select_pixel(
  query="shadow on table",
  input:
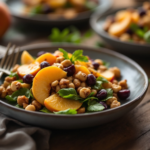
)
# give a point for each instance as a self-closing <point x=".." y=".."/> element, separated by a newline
<point x="107" y="137"/>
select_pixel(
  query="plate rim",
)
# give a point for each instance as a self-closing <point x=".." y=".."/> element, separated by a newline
<point x="104" y="4"/>
<point x="96" y="17"/>
<point x="103" y="50"/>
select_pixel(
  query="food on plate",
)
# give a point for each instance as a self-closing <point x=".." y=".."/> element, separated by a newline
<point x="130" y="25"/>
<point x="5" y="18"/>
<point x="64" y="83"/>
<point x="58" y="8"/>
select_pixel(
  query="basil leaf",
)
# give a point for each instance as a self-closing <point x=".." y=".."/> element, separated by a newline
<point x="45" y="110"/>
<point x="109" y="94"/>
<point x="98" y="85"/>
<point x="68" y="111"/>
<point x="95" y="106"/>
<point x="65" y="54"/>
<point x="102" y="79"/>
<point x="13" y="98"/>
<point x="14" y="74"/>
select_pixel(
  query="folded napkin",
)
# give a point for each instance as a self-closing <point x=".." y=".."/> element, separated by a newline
<point x="15" y="135"/>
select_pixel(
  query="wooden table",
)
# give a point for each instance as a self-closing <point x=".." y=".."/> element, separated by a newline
<point x="131" y="132"/>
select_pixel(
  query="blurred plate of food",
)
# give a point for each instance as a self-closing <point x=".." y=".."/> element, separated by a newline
<point x="56" y="12"/>
<point x="127" y="30"/>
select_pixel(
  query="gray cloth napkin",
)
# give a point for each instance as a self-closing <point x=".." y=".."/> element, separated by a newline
<point x="15" y="135"/>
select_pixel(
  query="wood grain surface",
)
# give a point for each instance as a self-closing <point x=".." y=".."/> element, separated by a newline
<point x="130" y="132"/>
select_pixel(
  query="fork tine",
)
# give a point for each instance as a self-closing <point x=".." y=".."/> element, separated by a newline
<point x="16" y="57"/>
<point x="11" y="58"/>
<point x="7" y="63"/>
<point x="5" y="56"/>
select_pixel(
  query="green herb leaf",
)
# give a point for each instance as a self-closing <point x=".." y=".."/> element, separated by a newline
<point x="65" y="54"/>
<point x="78" y="56"/>
<point x="105" y="63"/>
<point x="100" y="44"/>
<point x="135" y="28"/>
<point x="90" y="97"/>
<point x="77" y="53"/>
<point x="82" y="58"/>
<point x="72" y="96"/>
<point x="14" y="74"/>
<point x="45" y="110"/>
<point x="68" y="93"/>
<point x="90" y="5"/>
<point x="19" y="106"/>
<point x="55" y="35"/>
<point x="109" y="94"/>
<point x="140" y="33"/>
<point x="68" y="111"/>
<point x="102" y="79"/>
<point x="95" y="106"/>
<point x="88" y="34"/>
<point x="64" y="33"/>
<point x="21" y="81"/>
<point x="36" y="10"/>
<point x="147" y="37"/>
<point x="98" y="85"/>
<point x="69" y="35"/>
<point x="31" y="94"/>
<point x="71" y="93"/>
<point x="13" y="98"/>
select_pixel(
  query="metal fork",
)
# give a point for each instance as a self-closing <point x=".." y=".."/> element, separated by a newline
<point x="9" y="60"/>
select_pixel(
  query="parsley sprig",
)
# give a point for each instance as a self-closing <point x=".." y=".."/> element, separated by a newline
<point x="76" y="56"/>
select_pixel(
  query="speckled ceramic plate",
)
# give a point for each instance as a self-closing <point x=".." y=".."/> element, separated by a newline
<point x="135" y="75"/>
<point x="16" y="7"/>
<point x="97" y="22"/>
